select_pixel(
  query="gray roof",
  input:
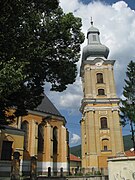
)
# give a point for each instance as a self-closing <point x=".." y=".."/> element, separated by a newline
<point x="92" y="29"/>
<point x="47" y="106"/>
<point x="94" y="48"/>
<point x="98" y="50"/>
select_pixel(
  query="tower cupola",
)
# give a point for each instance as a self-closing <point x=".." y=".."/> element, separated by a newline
<point x="94" y="47"/>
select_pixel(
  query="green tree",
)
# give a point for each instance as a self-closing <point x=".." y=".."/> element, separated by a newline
<point x="38" y="43"/>
<point x="128" y="103"/>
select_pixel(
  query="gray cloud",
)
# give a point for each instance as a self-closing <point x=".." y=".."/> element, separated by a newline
<point x="116" y="24"/>
<point x="117" y="31"/>
<point x="75" y="139"/>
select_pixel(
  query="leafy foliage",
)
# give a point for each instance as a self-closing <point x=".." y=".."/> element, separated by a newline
<point x="38" y="43"/>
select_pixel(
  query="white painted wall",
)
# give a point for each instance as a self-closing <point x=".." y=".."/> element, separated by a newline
<point x="43" y="166"/>
<point x="122" y="168"/>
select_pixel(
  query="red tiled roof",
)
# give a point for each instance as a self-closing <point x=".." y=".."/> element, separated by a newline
<point x="74" y="158"/>
<point x="130" y="153"/>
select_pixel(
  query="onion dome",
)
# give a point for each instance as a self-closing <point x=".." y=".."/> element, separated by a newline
<point x="94" y="48"/>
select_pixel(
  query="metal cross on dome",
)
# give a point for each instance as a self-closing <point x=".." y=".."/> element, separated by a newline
<point x="91" y="21"/>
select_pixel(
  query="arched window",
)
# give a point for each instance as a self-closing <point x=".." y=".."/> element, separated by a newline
<point x="101" y="92"/>
<point x="105" y="144"/>
<point x="103" y="122"/>
<point x="55" y="148"/>
<point x="55" y="140"/>
<point x="99" y="78"/>
<point x="25" y="128"/>
<point x="40" y="138"/>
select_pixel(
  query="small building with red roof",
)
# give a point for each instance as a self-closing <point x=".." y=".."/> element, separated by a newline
<point x="75" y="164"/>
<point x="130" y="152"/>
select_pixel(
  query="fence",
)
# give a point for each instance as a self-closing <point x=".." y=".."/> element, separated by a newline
<point x="5" y="168"/>
<point x="89" y="171"/>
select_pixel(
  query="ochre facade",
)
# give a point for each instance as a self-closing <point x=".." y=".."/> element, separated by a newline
<point x="100" y="126"/>
<point x="41" y="134"/>
<point x="53" y="150"/>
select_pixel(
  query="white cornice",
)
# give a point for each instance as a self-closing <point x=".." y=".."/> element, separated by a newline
<point x="86" y="109"/>
<point x="98" y="101"/>
<point x="90" y="101"/>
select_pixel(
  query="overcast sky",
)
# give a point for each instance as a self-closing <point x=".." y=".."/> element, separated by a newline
<point x="116" y="23"/>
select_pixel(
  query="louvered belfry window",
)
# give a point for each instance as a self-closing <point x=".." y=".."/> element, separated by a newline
<point x="99" y="78"/>
<point x="103" y="122"/>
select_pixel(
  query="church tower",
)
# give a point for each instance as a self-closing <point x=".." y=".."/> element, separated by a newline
<point x="100" y="127"/>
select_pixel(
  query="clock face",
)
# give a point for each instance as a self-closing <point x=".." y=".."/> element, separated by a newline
<point x="99" y="63"/>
